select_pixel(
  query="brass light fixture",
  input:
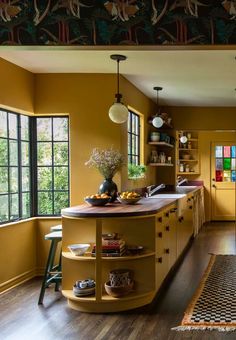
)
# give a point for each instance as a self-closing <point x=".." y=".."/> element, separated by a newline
<point x="157" y="120"/>
<point x="118" y="112"/>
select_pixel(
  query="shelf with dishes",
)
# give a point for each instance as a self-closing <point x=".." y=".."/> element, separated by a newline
<point x="124" y="250"/>
<point x="161" y="164"/>
<point x="187" y="153"/>
<point x="168" y="145"/>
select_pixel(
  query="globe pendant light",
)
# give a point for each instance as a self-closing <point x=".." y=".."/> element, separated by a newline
<point x="118" y="112"/>
<point x="157" y="120"/>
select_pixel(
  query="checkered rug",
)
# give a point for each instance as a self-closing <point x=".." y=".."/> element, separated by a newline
<point x="213" y="307"/>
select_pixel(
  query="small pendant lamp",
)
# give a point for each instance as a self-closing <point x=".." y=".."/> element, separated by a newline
<point x="157" y="120"/>
<point x="118" y="112"/>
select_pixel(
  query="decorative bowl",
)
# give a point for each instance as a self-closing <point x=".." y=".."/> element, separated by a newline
<point x="129" y="200"/>
<point x="119" y="291"/>
<point x="97" y="201"/>
<point x="186" y="156"/>
<point x="79" y="248"/>
<point x="83" y="291"/>
<point x="134" y="250"/>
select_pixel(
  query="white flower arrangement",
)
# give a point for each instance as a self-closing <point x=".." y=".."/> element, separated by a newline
<point x="107" y="161"/>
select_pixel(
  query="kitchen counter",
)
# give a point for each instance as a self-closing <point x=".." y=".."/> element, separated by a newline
<point x="146" y="206"/>
<point x="152" y="223"/>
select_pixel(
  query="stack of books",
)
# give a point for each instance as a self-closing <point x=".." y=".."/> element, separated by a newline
<point x="111" y="248"/>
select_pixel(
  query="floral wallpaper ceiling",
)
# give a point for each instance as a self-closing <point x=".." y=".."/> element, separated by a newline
<point x="118" y="22"/>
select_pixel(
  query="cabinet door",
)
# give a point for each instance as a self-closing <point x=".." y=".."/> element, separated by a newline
<point x="172" y="236"/>
<point x="161" y="256"/>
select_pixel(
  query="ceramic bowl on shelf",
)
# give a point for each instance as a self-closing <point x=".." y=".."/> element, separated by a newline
<point x="96" y="201"/>
<point x="119" y="291"/>
<point x="134" y="249"/>
<point x="83" y="291"/>
<point x="78" y="249"/>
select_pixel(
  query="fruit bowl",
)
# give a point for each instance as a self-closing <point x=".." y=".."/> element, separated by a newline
<point x="128" y="197"/>
<point x="97" y="201"/>
<point x="129" y="200"/>
<point x="118" y="291"/>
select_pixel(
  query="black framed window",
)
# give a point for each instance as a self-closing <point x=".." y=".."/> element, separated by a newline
<point x="52" y="136"/>
<point x="14" y="167"/>
<point x="34" y="166"/>
<point x="133" y="138"/>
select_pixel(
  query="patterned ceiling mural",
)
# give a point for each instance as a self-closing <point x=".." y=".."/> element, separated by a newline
<point x="118" y="22"/>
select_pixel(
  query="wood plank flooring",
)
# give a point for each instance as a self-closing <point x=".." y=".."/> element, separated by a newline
<point x="22" y="318"/>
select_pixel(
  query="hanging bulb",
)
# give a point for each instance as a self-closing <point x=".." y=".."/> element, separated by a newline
<point x="157" y="120"/>
<point x="118" y="112"/>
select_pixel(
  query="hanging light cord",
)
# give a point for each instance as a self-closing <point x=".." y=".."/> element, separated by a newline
<point x="118" y="95"/>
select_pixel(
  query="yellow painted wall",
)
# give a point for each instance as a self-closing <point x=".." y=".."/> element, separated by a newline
<point x="203" y="118"/>
<point x="87" y="98"/>
<point x="17" y="252"/>
<point x="16" y="88"/>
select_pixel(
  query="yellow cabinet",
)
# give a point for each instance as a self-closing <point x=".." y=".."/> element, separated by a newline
<point x="166" y="247"/>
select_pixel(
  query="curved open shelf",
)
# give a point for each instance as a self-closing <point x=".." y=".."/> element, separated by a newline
<point x="70" y="295"/>
<point x="85" y="257"/>
<point x="129" y="257"/>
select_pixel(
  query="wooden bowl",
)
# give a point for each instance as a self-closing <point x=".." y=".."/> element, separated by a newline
<point x="119" y="291"/>
<point x="129" y="200"/>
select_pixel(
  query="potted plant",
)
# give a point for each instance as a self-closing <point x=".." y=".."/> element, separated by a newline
<point x="107" y="162"/>
<point x="136" y="171"/>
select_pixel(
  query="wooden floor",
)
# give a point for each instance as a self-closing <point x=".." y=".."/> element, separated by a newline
<point x="22" y="318"/>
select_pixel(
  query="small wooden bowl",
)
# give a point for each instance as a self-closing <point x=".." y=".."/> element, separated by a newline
<point x="97" y="201"/>
<point x="118" y="291"/>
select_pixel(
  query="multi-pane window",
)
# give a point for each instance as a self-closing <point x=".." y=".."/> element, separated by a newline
<point x="14" y="167"/>
<point x="133" y="138"/>
<point x="52" y="165"/>
<point x="225" y="163"/>
<point x="34" y="166"/>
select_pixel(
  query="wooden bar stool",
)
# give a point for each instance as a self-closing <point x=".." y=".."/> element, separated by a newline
<point x="52" y="272"/>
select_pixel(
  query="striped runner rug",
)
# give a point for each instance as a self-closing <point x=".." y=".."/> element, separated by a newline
<point x="213" y="306"/>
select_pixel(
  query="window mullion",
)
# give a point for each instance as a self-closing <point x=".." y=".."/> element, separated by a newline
<point x="33" y="165"/>
<point x="19" y="165"/>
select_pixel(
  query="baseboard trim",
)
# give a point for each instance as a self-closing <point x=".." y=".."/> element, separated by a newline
<point x="17" y="280"/>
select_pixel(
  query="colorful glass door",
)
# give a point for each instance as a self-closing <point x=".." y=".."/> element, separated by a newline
<point x="223" y="171"/>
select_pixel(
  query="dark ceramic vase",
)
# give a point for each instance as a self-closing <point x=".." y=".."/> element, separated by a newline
<point x="110" y="188"/>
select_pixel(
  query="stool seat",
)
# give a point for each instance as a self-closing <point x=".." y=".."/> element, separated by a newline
<point x="55" y="235"/>
<point x="56" y="228"/>
<point x="52" y="272"/>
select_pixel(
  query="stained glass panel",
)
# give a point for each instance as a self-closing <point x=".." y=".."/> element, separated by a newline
<point x="233" y="164"/>
<point x="218" y="151"/>
<point x="233" y="176"/>
<point x="219" y="163"/>
<point x="227" y="152"/>
<point x="219" y="176"/>
<point x="227" y="163"/>
<point x="227" y="176"/>
<point x="233" y="151"/>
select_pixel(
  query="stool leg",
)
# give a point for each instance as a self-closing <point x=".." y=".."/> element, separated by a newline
<point x="57" y="285"/>
<point x="49" y="265"/>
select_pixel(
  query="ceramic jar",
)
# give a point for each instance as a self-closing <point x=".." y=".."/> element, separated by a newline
<point x="155" y="136"/>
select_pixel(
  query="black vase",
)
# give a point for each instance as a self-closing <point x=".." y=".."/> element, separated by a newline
<point x="110" y="188"/>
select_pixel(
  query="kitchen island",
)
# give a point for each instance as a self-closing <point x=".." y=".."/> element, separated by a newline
<point x="156" y="224"/>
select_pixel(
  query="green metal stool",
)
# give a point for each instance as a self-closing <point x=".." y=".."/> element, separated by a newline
<point x="53" y="272"/>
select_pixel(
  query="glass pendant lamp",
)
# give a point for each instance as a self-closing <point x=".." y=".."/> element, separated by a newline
<point x="118" y="112"/>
